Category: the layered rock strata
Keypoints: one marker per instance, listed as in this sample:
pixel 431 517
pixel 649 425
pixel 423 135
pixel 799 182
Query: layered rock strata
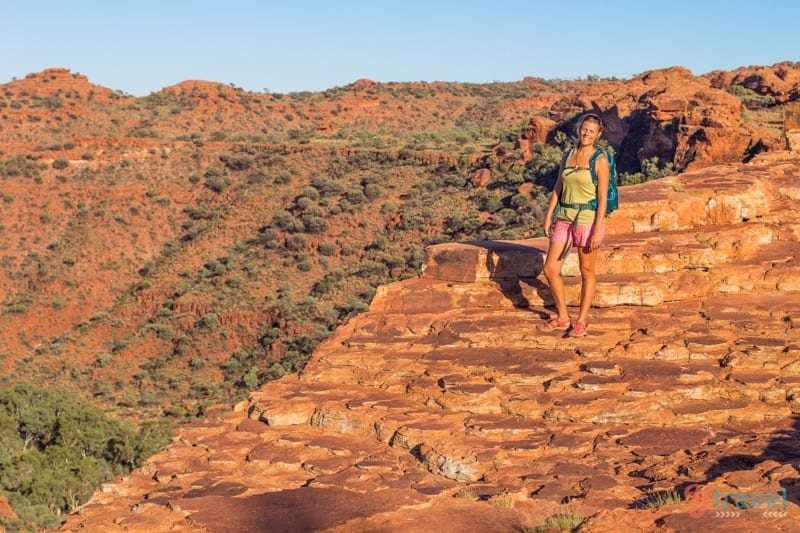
pixel 443 408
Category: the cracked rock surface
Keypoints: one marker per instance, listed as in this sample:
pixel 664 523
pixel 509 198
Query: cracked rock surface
pixel 443 408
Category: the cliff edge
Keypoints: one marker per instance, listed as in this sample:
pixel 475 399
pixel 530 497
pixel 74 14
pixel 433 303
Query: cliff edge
pixel 443 408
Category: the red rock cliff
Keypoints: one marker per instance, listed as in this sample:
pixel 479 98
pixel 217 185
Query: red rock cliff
pixel 442 407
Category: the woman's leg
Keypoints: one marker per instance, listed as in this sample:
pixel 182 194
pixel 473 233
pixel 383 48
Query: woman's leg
pixel 552 271
pixel 586 260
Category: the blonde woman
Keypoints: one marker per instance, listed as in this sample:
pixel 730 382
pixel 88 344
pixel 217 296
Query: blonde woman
pixel 577 223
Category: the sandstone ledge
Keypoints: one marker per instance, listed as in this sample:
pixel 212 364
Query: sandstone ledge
pixel 443 408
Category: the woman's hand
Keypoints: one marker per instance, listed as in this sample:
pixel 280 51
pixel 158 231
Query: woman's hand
pixel 598 232
pixel 548 224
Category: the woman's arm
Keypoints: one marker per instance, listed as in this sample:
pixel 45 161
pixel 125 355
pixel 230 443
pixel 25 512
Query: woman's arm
pixel 603 171
pixel 551 206
pixel 555 196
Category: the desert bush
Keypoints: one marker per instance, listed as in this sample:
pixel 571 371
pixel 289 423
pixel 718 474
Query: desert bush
pixel 163 331
pixel 310 192
pixel 192 229
pixel 314 224
pixel 520 200
pixel 544 164
pixel 269 238
pixel 345 206
pixel 560 522
pixel 303 202
pixel 658 499
pixel 144 130
pixel 295 242
pixel 237 161
pixel 373 268
pixel 213 268
pixel 327 248
pixel 381 242
pixel 489 201
pixel 199 212
pixel 373 191
pixel 283 178
pixel 652 168
pixel 329 281
pixel 750 98
pixel 20 165
pixel 216 180
pixel 58 449
pixel 209 321
pixel 355 195
pixel 287 221
pixel 461 224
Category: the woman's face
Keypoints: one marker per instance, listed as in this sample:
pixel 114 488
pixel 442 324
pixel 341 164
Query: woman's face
pixel 589 133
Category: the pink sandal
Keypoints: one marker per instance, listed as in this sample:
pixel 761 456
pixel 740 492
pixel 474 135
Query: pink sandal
pixel 578 330
pixel 553 324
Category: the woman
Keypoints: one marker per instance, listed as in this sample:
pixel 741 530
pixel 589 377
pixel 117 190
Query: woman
pixel 576 224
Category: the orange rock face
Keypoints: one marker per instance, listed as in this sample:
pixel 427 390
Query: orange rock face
pixel 689 121
pixel 443 407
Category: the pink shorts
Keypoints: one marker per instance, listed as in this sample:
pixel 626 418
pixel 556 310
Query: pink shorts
pixel 580 235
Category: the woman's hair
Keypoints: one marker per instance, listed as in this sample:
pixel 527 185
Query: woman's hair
pixel 591 117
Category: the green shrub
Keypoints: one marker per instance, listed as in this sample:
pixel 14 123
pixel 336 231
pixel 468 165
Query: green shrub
pixel 295 242
pixel 373 191
pixel 287 221
pixel 329 282
pixel 283 178
pixel 58 449
pixel 314 224
pixel 750 98
pixel 327 248
pixel 163 331
pixel 355 196
pixel 237 161
pixel 544 164
pixel 216 182
pixel 560 522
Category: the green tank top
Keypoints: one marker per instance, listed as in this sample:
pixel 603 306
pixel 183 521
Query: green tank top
pixel 577 188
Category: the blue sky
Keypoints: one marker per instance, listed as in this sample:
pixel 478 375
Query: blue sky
pixel 139 47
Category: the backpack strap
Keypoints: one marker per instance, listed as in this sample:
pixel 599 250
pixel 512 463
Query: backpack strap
pixel 579 207
pixel 592 164
pixel 592 160
pixel 561 168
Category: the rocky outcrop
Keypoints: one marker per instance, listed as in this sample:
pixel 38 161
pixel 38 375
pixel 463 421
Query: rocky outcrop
pixel 61 82
pixel 780 81
pixel 442 407
pixel 689 121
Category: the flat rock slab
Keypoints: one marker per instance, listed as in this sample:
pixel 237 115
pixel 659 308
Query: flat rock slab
pixel 664 441
pixel 443 408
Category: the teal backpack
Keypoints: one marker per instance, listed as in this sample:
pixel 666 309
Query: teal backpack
pixel 612 198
